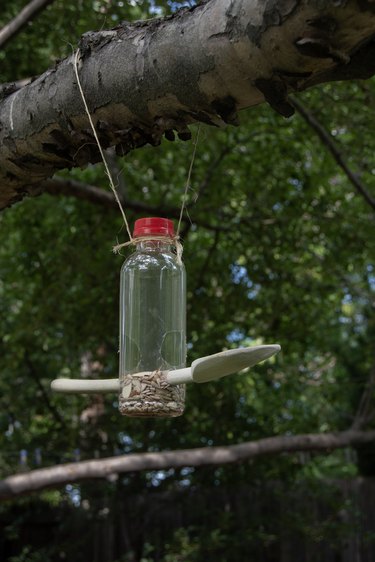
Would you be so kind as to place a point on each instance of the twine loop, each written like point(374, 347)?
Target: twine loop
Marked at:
point(173, 240)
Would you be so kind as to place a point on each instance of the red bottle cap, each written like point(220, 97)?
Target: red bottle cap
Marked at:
point(153, 225)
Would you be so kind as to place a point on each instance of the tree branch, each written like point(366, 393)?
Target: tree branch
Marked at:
point(99, 196)
point(202, 64)
point(39, 479)
point(29, 12)
point(328, 141)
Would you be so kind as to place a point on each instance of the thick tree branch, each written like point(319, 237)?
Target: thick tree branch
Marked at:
point(152, 78)
point(328, 141)
point(35, 480)
point(29, 12)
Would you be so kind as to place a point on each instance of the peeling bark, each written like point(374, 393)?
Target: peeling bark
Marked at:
point(42, 478)
point(149, 79)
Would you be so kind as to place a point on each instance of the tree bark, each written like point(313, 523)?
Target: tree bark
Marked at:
point(148, 79)
point(39, 479)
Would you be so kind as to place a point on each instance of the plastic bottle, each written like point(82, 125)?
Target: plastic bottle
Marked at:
point(152, 323)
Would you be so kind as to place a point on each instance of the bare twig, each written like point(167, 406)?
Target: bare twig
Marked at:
point(40, 479)
point(328, 141)
point(29, 12)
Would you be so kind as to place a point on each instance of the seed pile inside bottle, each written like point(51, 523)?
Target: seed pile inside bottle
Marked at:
point(148, 394)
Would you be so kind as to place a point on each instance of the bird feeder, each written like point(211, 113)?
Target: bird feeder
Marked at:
point(152, 323)
point(152, 371)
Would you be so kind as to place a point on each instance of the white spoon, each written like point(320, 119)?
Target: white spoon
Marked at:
point(204, 369)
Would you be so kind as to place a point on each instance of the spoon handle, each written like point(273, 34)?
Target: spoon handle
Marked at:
point(92, 386)
point(79, 386)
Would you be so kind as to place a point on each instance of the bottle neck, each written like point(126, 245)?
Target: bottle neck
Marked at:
point(157, 245)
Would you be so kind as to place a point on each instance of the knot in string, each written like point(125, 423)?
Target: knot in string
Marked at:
point(173, 240)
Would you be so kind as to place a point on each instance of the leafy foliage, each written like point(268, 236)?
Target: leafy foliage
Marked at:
point(279, 249)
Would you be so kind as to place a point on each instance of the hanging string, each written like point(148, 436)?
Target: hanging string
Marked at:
point(187, 185)
point(107, 170)
point(175, 240)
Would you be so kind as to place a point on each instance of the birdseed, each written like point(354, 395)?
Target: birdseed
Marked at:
point(149, 394)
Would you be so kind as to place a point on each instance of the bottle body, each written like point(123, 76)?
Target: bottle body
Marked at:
point(152, 330)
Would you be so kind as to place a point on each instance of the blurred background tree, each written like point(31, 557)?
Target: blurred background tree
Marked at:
point(278, 246)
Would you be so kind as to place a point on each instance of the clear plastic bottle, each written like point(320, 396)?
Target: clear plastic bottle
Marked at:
point(152, 323)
